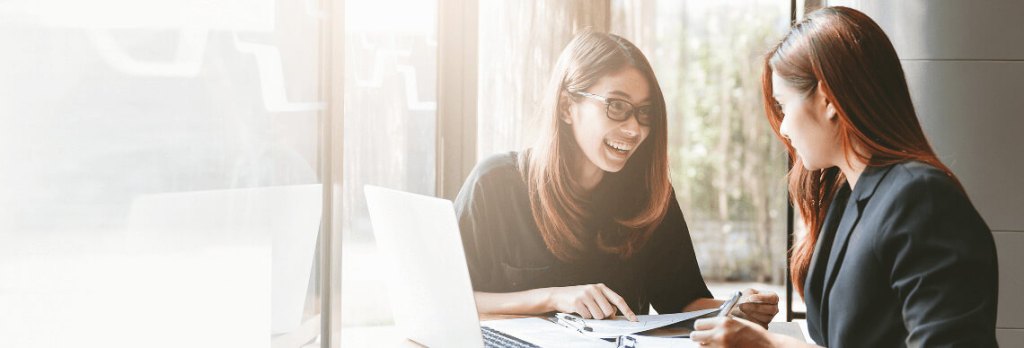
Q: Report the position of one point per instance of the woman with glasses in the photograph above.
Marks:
(585, 221)
(895, 253)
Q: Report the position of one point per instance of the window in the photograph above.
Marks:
(160, 160)
(727, 168)
(516, 61)
(390, 125)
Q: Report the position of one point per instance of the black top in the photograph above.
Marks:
(506, 253)
(903, 260)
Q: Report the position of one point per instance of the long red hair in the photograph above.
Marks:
(860, 74)
(636, 197)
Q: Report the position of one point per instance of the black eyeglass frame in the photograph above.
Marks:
(633, 111)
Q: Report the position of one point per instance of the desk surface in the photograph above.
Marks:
(388, 336)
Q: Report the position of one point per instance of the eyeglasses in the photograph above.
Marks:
(620, 110)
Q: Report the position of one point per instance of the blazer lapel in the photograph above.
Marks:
(814, 283)
(866, 186)
(849, 221)
(825, 237)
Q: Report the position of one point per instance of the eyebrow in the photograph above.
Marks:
(627, 96)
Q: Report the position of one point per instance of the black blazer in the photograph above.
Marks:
(903, 260)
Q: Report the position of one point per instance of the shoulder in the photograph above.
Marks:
(494, 175)
(919, 199)
(673, 222)
(919, 181)
(495, 167)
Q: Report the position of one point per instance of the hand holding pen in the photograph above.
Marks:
(758, 307)
(741, 332)
(727, 307)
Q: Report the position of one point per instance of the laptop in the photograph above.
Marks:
(432, 297)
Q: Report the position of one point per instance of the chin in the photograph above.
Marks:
(813, 166)
(609, 169)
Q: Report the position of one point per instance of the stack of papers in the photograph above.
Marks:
(612, 328)
(641, 341)
(604, 333)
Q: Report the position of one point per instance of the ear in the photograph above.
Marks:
(830, 107)
(830, 110)
(564, 108)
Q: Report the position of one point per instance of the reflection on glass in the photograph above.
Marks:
(519, 43)
(390, 124)
(727, 168)
(156, 154)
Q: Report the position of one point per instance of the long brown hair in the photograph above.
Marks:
(636, 197)
(860, 74)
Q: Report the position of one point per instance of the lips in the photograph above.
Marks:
(620, 146)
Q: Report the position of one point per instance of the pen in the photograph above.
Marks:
(573, 322)
(728, 305)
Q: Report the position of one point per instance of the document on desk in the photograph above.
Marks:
(641, 341)
(612, 328)
(546, 333)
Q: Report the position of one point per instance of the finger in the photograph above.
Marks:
(619, 302)
(762, 321)
(751, 321)
(759, 318)
(707, 323)
(582, 310)
(741, 320)
(602, 301)
(594, 308)
(700, 336)
(770, 312)
(758, 308)
(766, 297)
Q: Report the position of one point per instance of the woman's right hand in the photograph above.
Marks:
(730, 332)
(592, 301)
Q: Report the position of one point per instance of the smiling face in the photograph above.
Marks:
(607, 144)
(810, 124)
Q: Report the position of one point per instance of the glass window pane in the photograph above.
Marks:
(160, 182)
(390, 126)
(727, 167)
(516, 61)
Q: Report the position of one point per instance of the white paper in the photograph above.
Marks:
(612, 328)
(641, 341)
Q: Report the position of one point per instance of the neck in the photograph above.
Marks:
(587, 174)
(852, 168)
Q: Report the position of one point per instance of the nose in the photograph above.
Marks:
(784, 128)
(630, 127)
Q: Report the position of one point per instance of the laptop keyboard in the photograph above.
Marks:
(498, 339)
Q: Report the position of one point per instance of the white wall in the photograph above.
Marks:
(964, 61)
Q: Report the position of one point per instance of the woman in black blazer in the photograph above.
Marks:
(895, 254)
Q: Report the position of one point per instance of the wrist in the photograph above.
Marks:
(545, 299)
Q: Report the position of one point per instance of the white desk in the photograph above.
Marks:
(388, 336)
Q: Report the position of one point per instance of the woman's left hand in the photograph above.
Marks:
(730, 332)
(758, 307)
